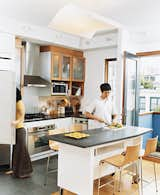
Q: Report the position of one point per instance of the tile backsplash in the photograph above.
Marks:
(31, 98)
(39, 100)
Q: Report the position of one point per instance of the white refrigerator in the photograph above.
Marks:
(7, 114)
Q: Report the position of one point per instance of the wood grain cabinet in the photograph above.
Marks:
(78, 72)
(64, 65)
(60, 67)
(55, 67)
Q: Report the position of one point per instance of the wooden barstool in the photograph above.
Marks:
(53, 145)
(120, 161)
(152, 156)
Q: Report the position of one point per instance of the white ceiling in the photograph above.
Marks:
(135, 14)
(81, 22)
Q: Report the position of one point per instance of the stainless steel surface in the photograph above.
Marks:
(37, 138)
(32, 76)
(82, 121)
(4, 154)
(35, 81)
(34, 116)
(59, 88)
(41, 128)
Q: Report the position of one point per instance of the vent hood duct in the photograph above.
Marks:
(32, 76)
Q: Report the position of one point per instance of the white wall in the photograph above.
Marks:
(95, 69)
(38, 33)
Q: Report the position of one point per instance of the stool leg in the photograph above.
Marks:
(45, 179)
(155, 175)
(60, 191)
(99, 180)
(141, 175)
(120, 178)
(114, 184)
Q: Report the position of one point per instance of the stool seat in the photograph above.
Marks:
(152, 156)
(117, 160)
(120, 161)
(152, 159)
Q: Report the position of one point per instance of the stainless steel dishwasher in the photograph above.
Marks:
(82, 121)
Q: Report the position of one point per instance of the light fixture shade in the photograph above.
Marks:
(77, 21)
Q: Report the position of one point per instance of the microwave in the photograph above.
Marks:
(59, 88)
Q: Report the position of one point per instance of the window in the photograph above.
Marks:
(154, 103)
(142, 104)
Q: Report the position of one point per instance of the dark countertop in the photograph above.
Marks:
(47, 117)
(101, 136)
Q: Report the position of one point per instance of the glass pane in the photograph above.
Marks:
(78, 66)
(142, 104)
(55, 66)
(150, 81)
(130, 102)
(112, 77)
(65, 67)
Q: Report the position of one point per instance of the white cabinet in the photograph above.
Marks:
(7, 107)
(45, 65)
(7, 45)
(64, 123)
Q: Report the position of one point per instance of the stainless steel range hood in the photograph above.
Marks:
(32, 76)
(35, 81)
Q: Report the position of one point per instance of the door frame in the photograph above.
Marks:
(107, 60)
(138, 54)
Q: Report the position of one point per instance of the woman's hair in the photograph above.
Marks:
(18, 95)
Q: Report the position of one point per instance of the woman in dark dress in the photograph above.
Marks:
(22, 166)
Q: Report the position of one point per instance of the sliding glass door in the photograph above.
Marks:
(130, 90)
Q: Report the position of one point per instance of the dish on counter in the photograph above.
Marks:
(76, 135)
(115, 126)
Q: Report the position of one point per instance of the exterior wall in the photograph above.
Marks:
(150, 121)
(156, 125)
(146, 121)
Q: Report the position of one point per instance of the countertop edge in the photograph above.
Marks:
(92, 145)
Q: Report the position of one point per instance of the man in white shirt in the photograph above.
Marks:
(102, 110)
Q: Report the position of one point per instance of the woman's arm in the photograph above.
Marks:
(20, 112)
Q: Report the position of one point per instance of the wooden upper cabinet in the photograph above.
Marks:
(55, 67)
(78, 69)
(60, 67)
(65, 67)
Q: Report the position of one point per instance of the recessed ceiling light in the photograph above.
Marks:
(74, 20)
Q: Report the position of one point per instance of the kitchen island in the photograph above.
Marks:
(78, 160)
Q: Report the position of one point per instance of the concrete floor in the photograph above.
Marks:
(33, 185)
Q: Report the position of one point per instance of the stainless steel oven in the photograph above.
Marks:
(37, 139)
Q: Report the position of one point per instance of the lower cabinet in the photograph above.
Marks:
(64, 123)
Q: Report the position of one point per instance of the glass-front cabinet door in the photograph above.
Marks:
(131, 90)
(78, 69)
(55, 69)
(66, 64)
